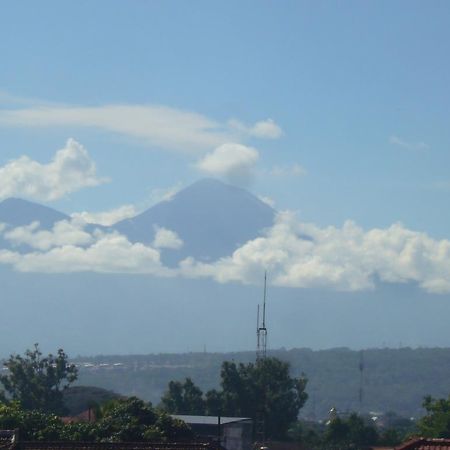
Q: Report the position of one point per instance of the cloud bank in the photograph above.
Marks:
(70, 170)
(345, 259)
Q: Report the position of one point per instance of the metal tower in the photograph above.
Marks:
(361, 380)
(261, 329)
(261, 352)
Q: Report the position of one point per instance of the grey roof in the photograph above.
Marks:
(208, 420)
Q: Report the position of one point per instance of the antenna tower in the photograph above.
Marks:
(361, 380)
(261, 329)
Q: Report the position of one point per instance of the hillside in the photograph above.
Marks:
(394, 379)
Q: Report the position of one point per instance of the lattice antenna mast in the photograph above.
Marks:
(361, 380)
(261, 329)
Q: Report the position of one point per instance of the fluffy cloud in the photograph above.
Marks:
(233, 162)
(63, 233)
(70, 170)
(346, 258)
(165, 238)
(106, 218)
(110, 253)
(294, 253)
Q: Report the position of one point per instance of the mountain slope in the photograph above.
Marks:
(16, 212)
(212, 219)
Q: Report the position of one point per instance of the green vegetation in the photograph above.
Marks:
(79, 398)
(37, 382)
(351, 433)
(394, 379)
(436, 423)
(118, 421)
(262, 391)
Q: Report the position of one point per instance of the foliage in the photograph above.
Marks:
(183, 398)
(79, 398)
(263, 390)
(33, 425)
(351, 433)
(394, 379)
(436, 423)
(38, 382)
(119, 420)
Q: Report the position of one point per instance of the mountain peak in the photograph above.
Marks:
(211, 217)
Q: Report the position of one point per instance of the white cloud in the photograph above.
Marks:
(155, 125)
(63, 233)
(165, 238)
(412, 146)
(294, 170)
(235, 162)
(264, 129)
(346, 258)
(106, 218)
(110, 253)
(294, 253)
(70, 170)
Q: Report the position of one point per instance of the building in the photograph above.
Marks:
(234, 433)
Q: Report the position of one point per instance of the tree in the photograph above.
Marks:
(263, 390)
(37, 382)
(351, 433)
(436, 423)
(118, 421)
(183, 398)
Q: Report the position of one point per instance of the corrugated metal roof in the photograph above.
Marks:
(208, 420)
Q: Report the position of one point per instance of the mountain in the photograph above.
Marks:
(212, 219)
(16, 212)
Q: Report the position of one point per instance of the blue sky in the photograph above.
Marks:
(336, 110)
(359, 90)
(340, 78)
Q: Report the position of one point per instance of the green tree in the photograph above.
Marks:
(351, 433)
(183, 398)
(263, 390)
(33, 425)
(436, 423)
(38, 382)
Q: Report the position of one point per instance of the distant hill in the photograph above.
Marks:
(212, 218)
(393, 379)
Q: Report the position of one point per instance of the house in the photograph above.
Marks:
(422, 443)
(234, 433)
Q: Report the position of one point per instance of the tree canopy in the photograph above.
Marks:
(436, 423)
(37, 382)
(119, 420)
(262, 391)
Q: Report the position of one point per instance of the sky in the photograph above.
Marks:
(335, 111)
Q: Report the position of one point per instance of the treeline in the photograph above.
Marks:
(393, 379)
(35, 387)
